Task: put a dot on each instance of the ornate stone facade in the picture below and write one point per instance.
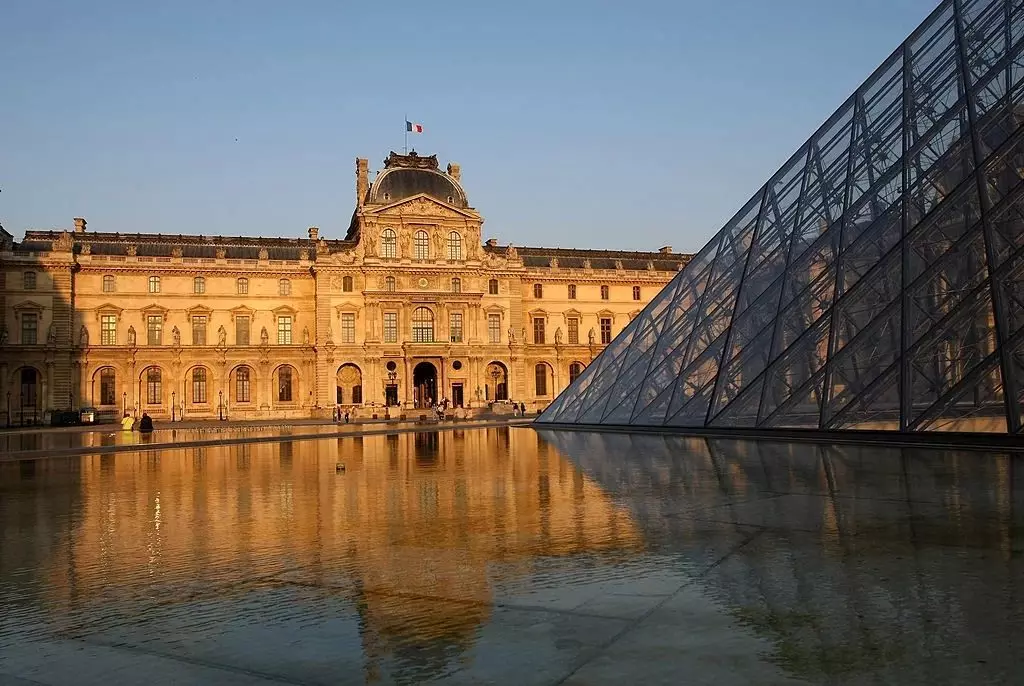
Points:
(410, 306)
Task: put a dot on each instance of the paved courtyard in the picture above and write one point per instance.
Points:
(509, 556)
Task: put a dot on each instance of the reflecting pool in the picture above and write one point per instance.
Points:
(507, 555)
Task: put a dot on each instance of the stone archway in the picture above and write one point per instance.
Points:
(349, 385)
(424, 381)
(497, 381)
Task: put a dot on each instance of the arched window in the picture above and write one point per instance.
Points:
(421, 245)
(492, 286)
(388, 244)
(422, 325)
(389, 284)
(242, 286)
(242, 384)
(541, 374)
(575, 369)
(199, 285)
(199, 385)
(108, 283)
(346, 284)
(108, 386)
(284, 287)
(454, 246)
(154, 386)
(456, 285)
(284, 385)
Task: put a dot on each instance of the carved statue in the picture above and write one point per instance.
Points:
(472, 248)
(64, 243)
(439, 244)
(558, 336)
(371, 244)
(263, 254)
(511, 253)
(406, 245)
(131, 336)
(586, 264)
(51, 335)
(330, 337)
(305, 335)
(650, 266)
(133, 251)
(554, 263)
(83, 337)
(176, 252)
(222, 336)
(264, 336)
(176, 336)
(3, 336)
(221, 253)
(322, 248)
(87, 248)
(618, 264)
(303, 255)
(511, 335)
(591, 337)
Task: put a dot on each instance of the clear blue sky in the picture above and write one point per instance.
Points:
(577, 124)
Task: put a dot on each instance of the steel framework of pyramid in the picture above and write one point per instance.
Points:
(875, 282)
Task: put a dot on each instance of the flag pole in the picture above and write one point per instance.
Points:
(405, 125)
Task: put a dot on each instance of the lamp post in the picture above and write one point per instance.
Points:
(21, 405)
(124, 403)
(8, 408)
(172, 405)
(220, 405)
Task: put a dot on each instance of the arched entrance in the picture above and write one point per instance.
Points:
(349, 385)
(30, 387)
(497, 381)
(424, 382)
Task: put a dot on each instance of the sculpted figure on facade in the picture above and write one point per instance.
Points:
(591, 337)
(558, 336)
(511, 253)
(131, 336)
(83, 337)
(221, 253)
(511, 335)
(176, 252)
(132, 251)
(586, 264)
(406, 241)
(263, 254)
(3, 336)
(371, 243)
(305, 335)
(176, 336)
(439, 241)
(322, 248)
(222, 336)
(51, 335)
(87, 249)
(264, 336)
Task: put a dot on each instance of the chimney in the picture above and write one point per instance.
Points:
(314, 233)
(455, 171)
(80, 225)
(362, 180)
(492, 243)
(665, 250)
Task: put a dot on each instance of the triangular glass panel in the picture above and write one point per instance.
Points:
(870, 283)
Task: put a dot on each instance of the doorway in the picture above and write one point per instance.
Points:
(457, 398)
(424, 380)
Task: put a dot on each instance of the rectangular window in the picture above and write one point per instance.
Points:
(348, 327)
(108, 329)
(109, 284)
(636, 292)
(538, 290)
(29, 328)
(242, 286)
(242, 385)
(154, 329)
(538, 330)
(199, 386)
(606, 331)
(30, 281)
(572, 291)
(199, 329)
(154, 386)
(242, 330)
(492, 287)
(108, 392)
(284, 330)
(604, 292)
(154, 284)
(494, 328)
(455, 326)
(390, 327)
(574, 331)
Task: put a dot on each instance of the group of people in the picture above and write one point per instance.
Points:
(440, 408)
(145, 424)
(339, 415)
(518, 409)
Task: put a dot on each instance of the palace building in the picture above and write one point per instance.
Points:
(411, 306)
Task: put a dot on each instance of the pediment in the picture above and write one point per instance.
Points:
(199, 309)
(347, 307)
(153, 308)
(284, 311)
(241, 311)
(29, 305)
(572, 314)
(538, 313)
(494, 309)
(606, 314)
(421, 205)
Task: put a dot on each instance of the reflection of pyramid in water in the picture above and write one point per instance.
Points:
(875, 282)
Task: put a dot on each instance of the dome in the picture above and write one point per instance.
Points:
(407, 175)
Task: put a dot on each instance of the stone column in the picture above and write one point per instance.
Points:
(407, 378)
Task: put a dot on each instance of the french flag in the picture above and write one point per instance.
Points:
(410, 127)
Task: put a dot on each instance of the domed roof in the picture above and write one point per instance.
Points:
(404, 176)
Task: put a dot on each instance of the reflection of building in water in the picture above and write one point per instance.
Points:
(417, 529)
(898, 564)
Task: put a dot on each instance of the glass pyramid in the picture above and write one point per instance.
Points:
(875, 282)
